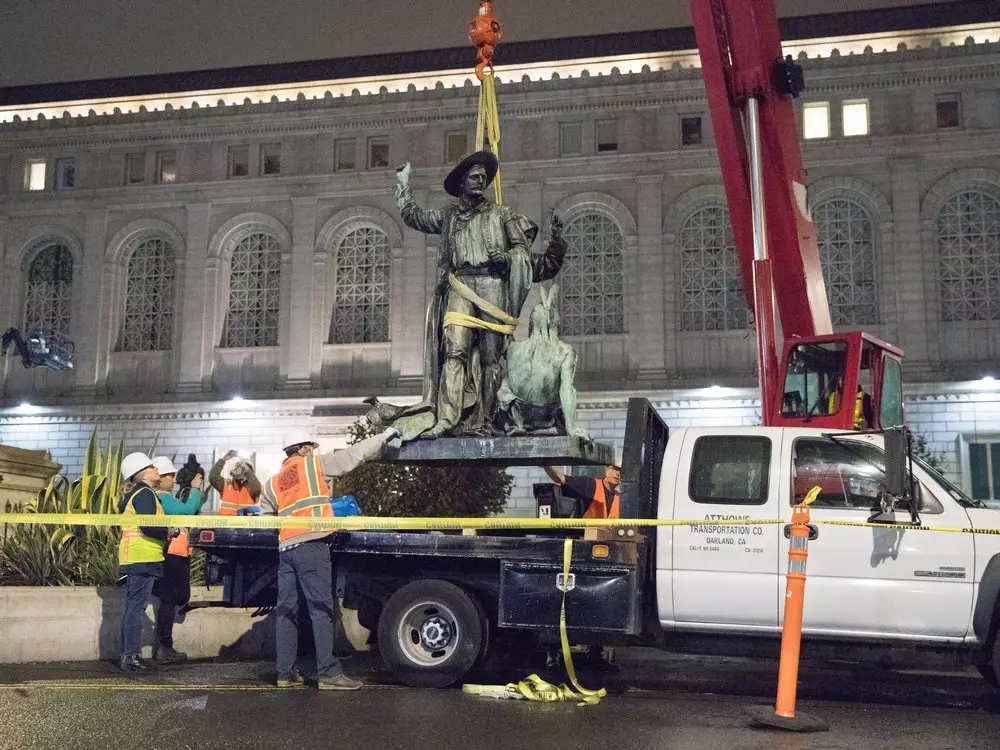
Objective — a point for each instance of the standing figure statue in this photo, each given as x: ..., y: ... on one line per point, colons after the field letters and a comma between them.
x: 486, y: 269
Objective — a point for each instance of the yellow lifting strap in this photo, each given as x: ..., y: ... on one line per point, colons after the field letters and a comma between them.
x: 508, y: 324
x: 533, y: 687
x: 488, y: 125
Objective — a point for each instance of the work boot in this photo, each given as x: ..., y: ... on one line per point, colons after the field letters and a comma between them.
x: 295, y: 680
x: 167, y: 655
x: 340, y: 682
x: 131, y: 663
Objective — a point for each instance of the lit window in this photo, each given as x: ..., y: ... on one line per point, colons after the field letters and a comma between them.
x: 48, y: 294
x: 148, y: 322
x: 65, y: 173
x: 691, y: 130
x: 270, y: 158
x: 570, y: 139
x: 607, y: 136
x: 135, y: 169
x: 816, y: 120
x: 856, y: 117
x: 344, y: 154
x: 34, y: 174
x: 378, y: 152
x: 363, y: 288
x: 593, y: 279
x: 948, y: 109
x: 254, y: 293
x: 166, y: 167
x: 239, y: 161
x: 456, y: 145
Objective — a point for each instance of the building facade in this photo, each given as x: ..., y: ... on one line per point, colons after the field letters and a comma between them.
x: 229, y: 261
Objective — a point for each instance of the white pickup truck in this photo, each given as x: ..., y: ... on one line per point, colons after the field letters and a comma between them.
x: 439, y: 602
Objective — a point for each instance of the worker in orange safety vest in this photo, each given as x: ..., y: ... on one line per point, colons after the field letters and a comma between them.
x: 600, y: 495
x: 241, y: 489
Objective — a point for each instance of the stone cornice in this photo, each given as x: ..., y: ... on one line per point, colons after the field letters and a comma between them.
x: 683, y: 86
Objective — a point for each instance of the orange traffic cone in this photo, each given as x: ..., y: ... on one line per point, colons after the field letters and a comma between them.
x: 783, y: 716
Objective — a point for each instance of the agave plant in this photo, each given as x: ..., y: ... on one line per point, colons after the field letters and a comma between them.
x: 60, y: 555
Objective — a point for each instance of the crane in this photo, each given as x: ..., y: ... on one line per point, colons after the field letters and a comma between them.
x: 819, y: 378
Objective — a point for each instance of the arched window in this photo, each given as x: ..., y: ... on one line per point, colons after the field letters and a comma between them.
x: 845, y: 231
x: 254, y: 293
x: 592, y: 280
x: 363, y: 280
x: 968, y: 243
x: 712, y: 296
x: 148, y: 325
x: 48, y: 294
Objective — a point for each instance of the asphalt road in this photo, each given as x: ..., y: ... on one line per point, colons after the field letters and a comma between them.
x: 656, y: 701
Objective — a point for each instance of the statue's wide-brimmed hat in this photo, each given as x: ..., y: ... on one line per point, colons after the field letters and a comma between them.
x: 453, y: 181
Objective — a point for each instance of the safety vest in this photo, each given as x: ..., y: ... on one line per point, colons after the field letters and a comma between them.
x: 136, y: 547
x: 234, y: 498
x: 179, y: 544
x: 300, y: 492
x: 859, y: 411
x: 598, y: 507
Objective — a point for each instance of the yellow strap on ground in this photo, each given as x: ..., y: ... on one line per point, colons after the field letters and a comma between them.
x: 588, y: 697
x: 465, y: 292
x: 533, y: 687
x: 470, y: 321
x: 488, y: 125
x: 369, y: 523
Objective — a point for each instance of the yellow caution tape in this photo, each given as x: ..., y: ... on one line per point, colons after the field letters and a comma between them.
x: 372, y: 523
x: 357, y: 523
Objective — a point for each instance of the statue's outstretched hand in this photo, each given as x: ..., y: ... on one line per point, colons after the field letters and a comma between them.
x: 556, y: 224
x: 403, y: 175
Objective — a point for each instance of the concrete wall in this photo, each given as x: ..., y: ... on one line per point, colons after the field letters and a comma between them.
x: 61, y: 623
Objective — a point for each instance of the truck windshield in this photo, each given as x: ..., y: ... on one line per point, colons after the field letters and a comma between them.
x: 956, y: 493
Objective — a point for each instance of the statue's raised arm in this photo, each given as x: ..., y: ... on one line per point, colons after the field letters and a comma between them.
x: 415, y: 217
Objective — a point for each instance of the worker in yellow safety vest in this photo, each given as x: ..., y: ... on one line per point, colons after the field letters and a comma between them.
x: 174, y: 588
x: 862, y: 407
x: 140, y: 553
x: 236, y: 482
x: 299, y: 490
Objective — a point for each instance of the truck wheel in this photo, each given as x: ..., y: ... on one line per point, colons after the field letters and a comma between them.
x: 430, y: 633
x: 991, y: 670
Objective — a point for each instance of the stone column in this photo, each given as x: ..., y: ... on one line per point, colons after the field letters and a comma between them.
x: 305, y: 315
x: 918, y: 320
x: 197, y: 309
x: 93, y: 327
x: 648, y: 299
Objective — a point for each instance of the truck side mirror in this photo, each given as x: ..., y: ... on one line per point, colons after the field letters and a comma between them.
x: 896, y: 454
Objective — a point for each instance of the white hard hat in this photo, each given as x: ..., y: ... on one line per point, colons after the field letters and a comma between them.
x: 133, y: 463
x: 298, y: 437
x: 164, y: 465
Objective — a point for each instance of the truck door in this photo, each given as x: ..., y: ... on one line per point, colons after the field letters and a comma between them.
x: 871, y: 580
x: 725, y: 575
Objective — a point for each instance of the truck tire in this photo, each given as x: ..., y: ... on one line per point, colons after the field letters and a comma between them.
x: 991, y: 670
x: 430, y: 633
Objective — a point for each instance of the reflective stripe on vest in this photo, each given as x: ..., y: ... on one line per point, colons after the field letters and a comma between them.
x: 598, y: 507
x: 136, y: 547
x: 300, y: 491
x: 859, y: 411
x: 179, y: 544
x: 234, y: 498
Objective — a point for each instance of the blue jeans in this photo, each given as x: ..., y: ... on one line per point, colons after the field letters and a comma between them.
x: 138, y: 590
x: 306, y: 567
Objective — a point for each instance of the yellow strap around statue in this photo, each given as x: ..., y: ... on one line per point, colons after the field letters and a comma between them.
x: 488, y: 125
x: 533, y: 687
x: 508, y: 324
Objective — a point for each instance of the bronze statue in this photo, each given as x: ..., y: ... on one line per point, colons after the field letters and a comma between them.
x: 487, y: 267
x: 537, y: 394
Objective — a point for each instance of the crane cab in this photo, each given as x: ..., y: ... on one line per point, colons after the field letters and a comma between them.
x: 839, y: 381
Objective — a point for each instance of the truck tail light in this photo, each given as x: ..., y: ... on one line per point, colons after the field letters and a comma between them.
x: 206, y: 536
x: 600, y: 551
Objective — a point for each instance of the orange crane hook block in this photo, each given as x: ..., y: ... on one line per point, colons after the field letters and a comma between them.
x: 485, y: 35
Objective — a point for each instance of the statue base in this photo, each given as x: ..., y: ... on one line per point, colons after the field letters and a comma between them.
x: 563, y: 450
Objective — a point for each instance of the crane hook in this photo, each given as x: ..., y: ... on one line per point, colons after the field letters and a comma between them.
x: 485, y: 35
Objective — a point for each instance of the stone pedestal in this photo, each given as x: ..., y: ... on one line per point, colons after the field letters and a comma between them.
x: 505, y: 451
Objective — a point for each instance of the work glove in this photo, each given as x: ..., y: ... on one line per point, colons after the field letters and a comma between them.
x: 173, y: 532
x: 393, y: 438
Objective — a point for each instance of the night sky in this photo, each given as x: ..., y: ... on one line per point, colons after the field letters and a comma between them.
x: 43, y: 41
